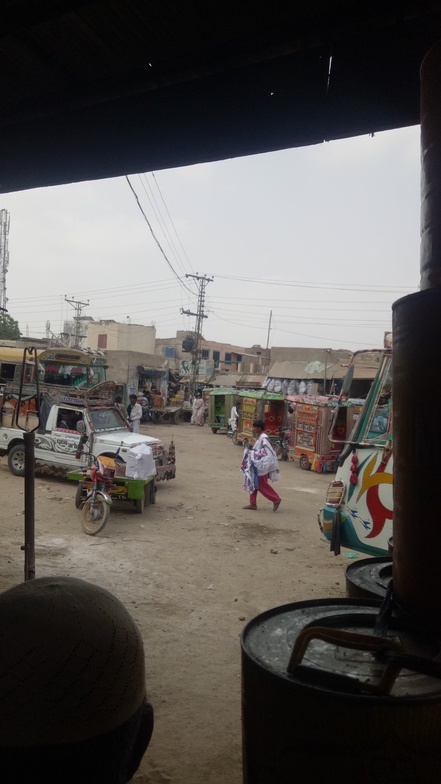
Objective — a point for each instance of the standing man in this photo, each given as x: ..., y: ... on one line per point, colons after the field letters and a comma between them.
x: 135, y: 413
x: 260, y: 464
x: 198, y: 416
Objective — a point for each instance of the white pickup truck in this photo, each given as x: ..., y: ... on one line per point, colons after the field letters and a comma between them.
x: 64, y: 425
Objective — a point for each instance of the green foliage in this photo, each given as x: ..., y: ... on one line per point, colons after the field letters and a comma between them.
x: 9, y: 327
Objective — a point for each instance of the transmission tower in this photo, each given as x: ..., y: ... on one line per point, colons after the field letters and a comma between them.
x: 4, y: 257
x: 203, y: 281
x: 78, y: 307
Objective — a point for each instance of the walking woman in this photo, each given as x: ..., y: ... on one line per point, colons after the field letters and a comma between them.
x: 260, y: 464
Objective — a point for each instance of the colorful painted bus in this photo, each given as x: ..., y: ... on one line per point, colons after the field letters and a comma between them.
x: 358, y: 510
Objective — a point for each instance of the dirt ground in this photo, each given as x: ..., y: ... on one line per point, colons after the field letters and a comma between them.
x: 191, y: 570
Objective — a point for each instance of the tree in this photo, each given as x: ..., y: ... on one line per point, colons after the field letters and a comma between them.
x: 9, y: 327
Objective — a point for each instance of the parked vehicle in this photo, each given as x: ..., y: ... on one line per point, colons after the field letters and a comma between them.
x: 68, y: 367
x: 96, y: 504
x: 220, y: 403
x: 98, y: 487
x: 358, y: 510
x: 63, y: 421
x: 11, y: 362
x: 319, y: 428
x: 270, y: 407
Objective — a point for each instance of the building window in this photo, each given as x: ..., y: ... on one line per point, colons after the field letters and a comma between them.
x: 205, y: 353
x: 216, y: 357
x: 102, y: 341
x: 228, y: 357
x: 238, y: 357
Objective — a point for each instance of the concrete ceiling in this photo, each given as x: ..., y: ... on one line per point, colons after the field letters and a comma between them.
x: 99, y: 88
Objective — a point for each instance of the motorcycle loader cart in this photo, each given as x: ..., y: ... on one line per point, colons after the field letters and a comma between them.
x: 139, y: 492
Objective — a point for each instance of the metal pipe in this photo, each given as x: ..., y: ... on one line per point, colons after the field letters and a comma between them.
x: 29, y: 510
x: 416, y: 379
x: 431, y: 168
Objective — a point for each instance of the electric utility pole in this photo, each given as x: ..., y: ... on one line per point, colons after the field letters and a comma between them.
x: 203, y: 281
x: 78, y: 307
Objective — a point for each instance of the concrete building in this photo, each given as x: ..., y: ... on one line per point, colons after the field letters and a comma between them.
x: 129, y: 368
x: 216, y: 356
x: 116, y: 336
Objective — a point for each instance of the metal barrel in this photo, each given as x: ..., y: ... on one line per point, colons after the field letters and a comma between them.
x: 344, y: 712
x: 368, y: 578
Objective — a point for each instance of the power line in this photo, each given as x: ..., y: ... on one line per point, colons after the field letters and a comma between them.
x: 171, y: 221
x: 155, y: 238
x: 157, y: 212
x: 328, y: 286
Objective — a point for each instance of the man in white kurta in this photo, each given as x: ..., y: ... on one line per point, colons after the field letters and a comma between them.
x: 135, y: 414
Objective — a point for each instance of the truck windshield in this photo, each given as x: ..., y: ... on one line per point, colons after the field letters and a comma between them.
x: 107, y: 418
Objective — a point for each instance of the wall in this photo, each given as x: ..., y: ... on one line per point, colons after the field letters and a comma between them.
x: 123, y: 366
x: 122, y: 336
x: 292, y: 354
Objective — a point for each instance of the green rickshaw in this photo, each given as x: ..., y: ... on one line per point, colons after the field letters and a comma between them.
x: 220, y: 403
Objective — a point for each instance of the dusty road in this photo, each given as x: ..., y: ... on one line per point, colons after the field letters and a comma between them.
x: 191, y: 570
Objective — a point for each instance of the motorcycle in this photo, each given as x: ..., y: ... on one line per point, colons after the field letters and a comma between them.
x: 92, y: 495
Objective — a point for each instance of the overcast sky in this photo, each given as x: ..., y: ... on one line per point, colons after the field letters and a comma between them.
x: 327, y: 237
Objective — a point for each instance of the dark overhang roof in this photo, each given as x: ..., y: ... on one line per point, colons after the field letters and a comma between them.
x: 98, y: 88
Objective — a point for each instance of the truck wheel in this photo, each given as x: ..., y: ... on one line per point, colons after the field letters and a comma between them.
x: 78, y: 496
x: 16, y: 460
x: 139, y: 505
x: 94, y: 520
x: 304, y: 463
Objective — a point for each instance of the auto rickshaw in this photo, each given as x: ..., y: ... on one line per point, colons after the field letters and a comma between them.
x: 220, y: 403
x: 318, y: 430
x: 270, y: 407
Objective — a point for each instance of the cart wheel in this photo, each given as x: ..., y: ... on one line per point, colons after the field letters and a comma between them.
x: 214, y: 430
x: 153, y: 488
x: 246, y: 443
x: 78, y: 496
x: 176, y: 417
x: 304, y: 463
x: 139, y: 505
x: 94, y: 520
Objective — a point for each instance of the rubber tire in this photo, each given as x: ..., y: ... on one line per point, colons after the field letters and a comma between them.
x: 176, y: 417
x: 214, y: 430
x: 246, y: 443
x: 93, y: 527
x: 139, y: 504
x: 285, y: 455
x: 304, y: 463
x: 17, y: 449
x: 78, y: 498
